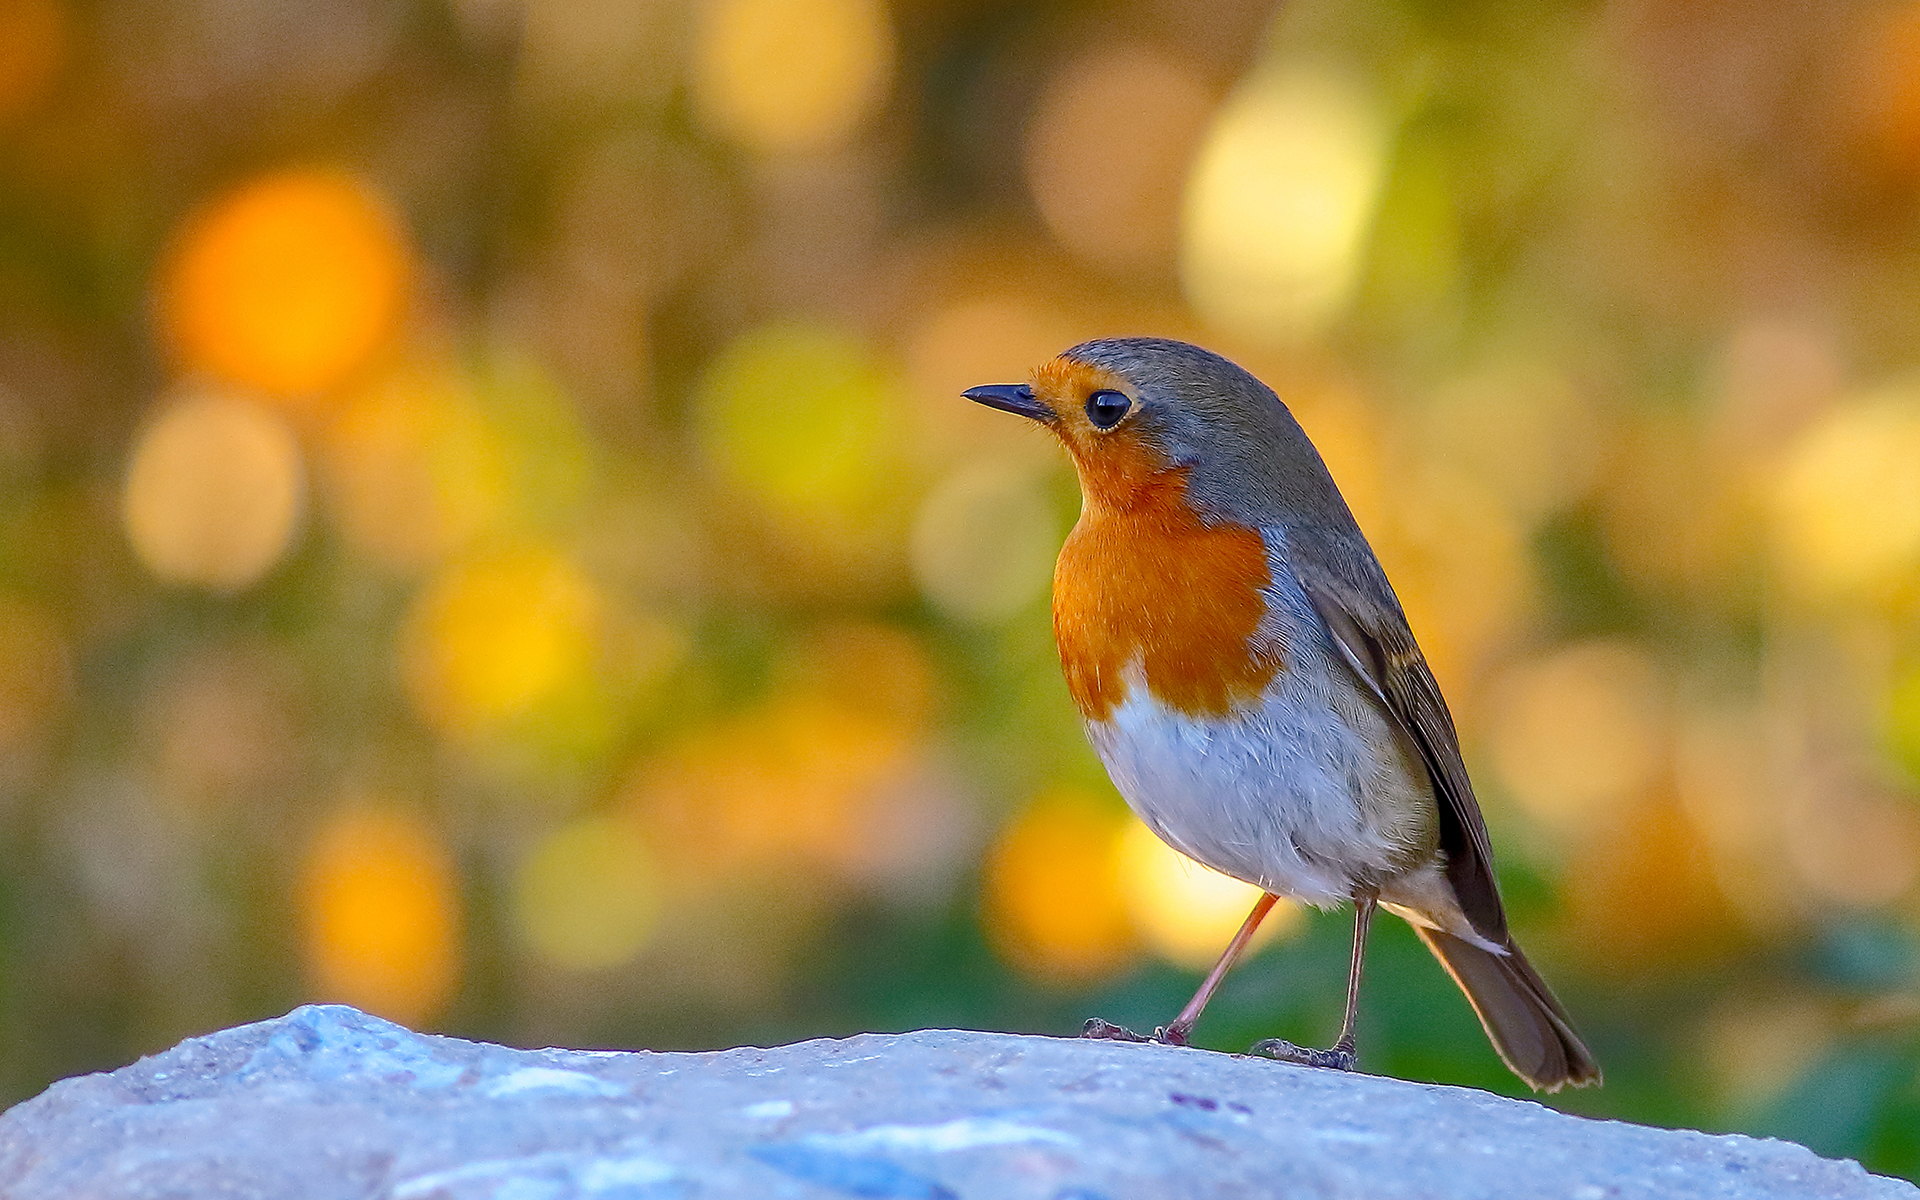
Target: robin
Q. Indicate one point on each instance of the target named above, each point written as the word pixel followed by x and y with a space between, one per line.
pixel 1248 678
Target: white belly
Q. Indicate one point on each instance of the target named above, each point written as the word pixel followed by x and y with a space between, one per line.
pixel 1286 795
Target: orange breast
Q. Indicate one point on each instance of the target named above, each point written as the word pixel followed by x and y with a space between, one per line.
pixel 1149 583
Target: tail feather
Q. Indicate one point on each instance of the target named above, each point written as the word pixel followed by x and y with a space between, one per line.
pixel 1527 1026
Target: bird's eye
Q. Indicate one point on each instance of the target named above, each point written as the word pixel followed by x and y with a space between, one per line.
pixel 1105 408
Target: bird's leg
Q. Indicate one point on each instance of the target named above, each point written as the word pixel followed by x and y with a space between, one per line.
pixel 1176 1034
pixel 1340 1056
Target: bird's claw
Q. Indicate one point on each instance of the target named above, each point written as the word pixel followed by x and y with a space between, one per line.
pixel 1335 1058
pixel 1106 1031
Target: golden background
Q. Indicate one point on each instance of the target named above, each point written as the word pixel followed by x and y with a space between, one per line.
pixel 490 533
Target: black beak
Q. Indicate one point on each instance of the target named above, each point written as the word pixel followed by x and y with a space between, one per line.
pixel 1016 398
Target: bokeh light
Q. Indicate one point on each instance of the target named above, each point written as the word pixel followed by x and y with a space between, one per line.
pixel 214 491
pixel 1681 523
pixel 1732 773
pixel 827 794
pixel 804 419
pixel 789 75
pixel 1853 842
pixel 1848 500
pixel 1885 79
pixel 1641 893
pixel 1772 377
pixel 1280 202
pixel 491 637
pixel 985 339
pixel 224 727
pixel 286 283
pixel 1758 1044
pixel 1578 732
pixel 1108 150
pixel 1054 903
pixel 381 913
pixel 414 470
pixel 985 540
pixel 1186 912
pixel 588 894
pixel 572 52
pixel 1519 429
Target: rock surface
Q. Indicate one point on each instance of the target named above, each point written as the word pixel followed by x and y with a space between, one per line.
pixel 329 1102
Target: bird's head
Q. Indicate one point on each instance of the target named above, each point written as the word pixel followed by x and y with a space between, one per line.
pixel 1135 412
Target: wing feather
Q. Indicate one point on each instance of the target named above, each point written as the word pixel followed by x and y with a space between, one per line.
pixel 1380 649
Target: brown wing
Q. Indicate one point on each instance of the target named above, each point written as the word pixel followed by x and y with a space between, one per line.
pixel 1377 644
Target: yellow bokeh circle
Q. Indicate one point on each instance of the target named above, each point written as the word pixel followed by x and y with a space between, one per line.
pixel 1846 504
pixel 1186 912
pixel 490 638
pixel 588 895
pixel 803 785
pixel 984 541
pixel 785 75
pixel 1279 204
pixel 413 468
pixel 804 419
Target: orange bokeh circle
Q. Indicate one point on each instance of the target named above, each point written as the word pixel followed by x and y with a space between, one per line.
pixel 286 283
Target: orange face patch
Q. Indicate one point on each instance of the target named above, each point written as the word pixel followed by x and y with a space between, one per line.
pixel 1112 463
pixel 1142 579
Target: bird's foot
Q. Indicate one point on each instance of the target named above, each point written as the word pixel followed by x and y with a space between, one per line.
pixel 1105 1031
pixel 1339 1057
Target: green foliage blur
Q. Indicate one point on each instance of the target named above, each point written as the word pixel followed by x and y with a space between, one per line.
pixel 489 532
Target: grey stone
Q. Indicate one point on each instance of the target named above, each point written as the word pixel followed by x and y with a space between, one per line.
pixel 329 1102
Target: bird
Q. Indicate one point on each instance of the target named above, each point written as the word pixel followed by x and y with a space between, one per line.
pixel 1247 676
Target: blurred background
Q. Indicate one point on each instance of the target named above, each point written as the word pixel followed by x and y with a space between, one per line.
pixel 489 532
